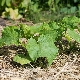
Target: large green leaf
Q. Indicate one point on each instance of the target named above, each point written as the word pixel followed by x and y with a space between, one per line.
pixel 47 48
pixel 44 47
pixel 32 48
pixel 10 35
pixel 74 35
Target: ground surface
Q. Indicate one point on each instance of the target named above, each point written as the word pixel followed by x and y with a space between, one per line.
pixel 64 67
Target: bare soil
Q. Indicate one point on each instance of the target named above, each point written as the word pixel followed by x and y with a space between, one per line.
pixel 65 67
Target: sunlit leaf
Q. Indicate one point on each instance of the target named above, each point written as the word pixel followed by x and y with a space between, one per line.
pixel 20 58
pixel 74 35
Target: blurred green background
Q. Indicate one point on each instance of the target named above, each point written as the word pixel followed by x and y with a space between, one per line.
pixel 39 10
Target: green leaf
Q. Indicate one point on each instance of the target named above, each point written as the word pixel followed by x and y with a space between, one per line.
pixel 79 10
pixel 73 9
pixel 25 3
pixel 36 28
pixel 75 1
pixel 20 58
pixel 53 25
pixel 57 1
pixel 1 42
pixel 32 48
pixel 47 48
pixel 25 31
pixel 44 47
pixel 3 2
pixel 74 35
pixel 64 10
pixel 10 35
pixel 71 22
pixel 49 2
pixel 8 3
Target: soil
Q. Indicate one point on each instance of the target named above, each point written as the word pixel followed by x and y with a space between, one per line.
pixel 65 67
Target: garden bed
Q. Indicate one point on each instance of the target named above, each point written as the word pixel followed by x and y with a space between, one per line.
pixel 65 67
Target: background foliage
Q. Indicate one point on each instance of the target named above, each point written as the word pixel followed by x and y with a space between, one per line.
pixel 44 9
